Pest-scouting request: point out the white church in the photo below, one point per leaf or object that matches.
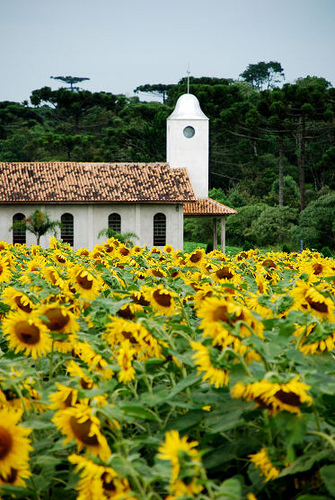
(148, 199)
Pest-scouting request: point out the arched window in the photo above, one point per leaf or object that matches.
(66, 232)
(114, 222)
(19, 235)
(159, 230)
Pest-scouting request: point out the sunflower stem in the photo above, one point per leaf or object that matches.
(329, 439)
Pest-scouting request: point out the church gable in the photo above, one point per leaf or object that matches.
(70, 182)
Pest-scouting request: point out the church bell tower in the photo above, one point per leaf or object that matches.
(188, 142)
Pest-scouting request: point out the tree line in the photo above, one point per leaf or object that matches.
(272, 144)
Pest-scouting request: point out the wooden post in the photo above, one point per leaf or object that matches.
(215, 234)
(223, 234)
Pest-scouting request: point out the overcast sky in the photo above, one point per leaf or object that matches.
(121, 44)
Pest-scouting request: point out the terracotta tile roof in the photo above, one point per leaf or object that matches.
(206, 207)
(69, 182)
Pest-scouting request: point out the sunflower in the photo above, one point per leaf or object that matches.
(76, 371)
(52, 276)
(94, 360)
(185, 464)
(16, 477)
(17, 299)
(79, 424)
(26, 333)
(219, 316)
(161, 299)
(99, 481)
(143, 342)
(14, 443)
(275, 396)
(262, 461)
(63, 398)
(316, 337)
(61, 321)
(84, 282)
(5, 272)
(312, 300)
(125, 356)
(197, 258)
(215, 375)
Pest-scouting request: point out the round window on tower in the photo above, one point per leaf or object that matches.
(188, 132)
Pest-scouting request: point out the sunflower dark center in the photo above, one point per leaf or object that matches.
(6, 442)
(157, 273)
(289, 398)
(196, 257)
(317, 306)
(81, 430)
(220, 313)
(11, 477)
(162, 299)
(57, 320)
(124, 251)
(224, 273)
(84, 282)
(317, 268)
(28, 334)
(20, 305)
(108, 482)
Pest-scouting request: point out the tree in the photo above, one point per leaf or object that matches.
(317, 223)
(157, 89)
(38, 223)
(263, 75)
(71, 80)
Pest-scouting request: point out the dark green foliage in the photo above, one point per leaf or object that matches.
(317, 223)
(326, 252)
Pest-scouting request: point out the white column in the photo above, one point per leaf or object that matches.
(215, 234)
(223, 234)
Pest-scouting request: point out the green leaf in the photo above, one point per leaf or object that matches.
(328, 475)
(137, 411)
(187, 421)
(304, 463)
(183, 384)
(230, 489)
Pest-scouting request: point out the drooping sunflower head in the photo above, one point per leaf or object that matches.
(86, 284)
(185, 463)
(274, 395)
(27, 333)
(161, 299)
(197, 258)
(207, 360)
(262, 461)
(17, 299)
(79, 424)
(99, 481)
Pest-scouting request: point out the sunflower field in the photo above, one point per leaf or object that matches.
(135, 373)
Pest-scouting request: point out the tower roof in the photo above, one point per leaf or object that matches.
(187, 108)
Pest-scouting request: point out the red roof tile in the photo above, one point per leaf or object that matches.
(69, 182)
(206, 207)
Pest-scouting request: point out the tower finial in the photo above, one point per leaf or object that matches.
(188, 79)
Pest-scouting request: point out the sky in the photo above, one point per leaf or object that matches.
(121, 44)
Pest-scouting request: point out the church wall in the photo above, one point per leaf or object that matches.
(89, 220)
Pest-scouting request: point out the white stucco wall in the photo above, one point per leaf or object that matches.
(89, 220)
